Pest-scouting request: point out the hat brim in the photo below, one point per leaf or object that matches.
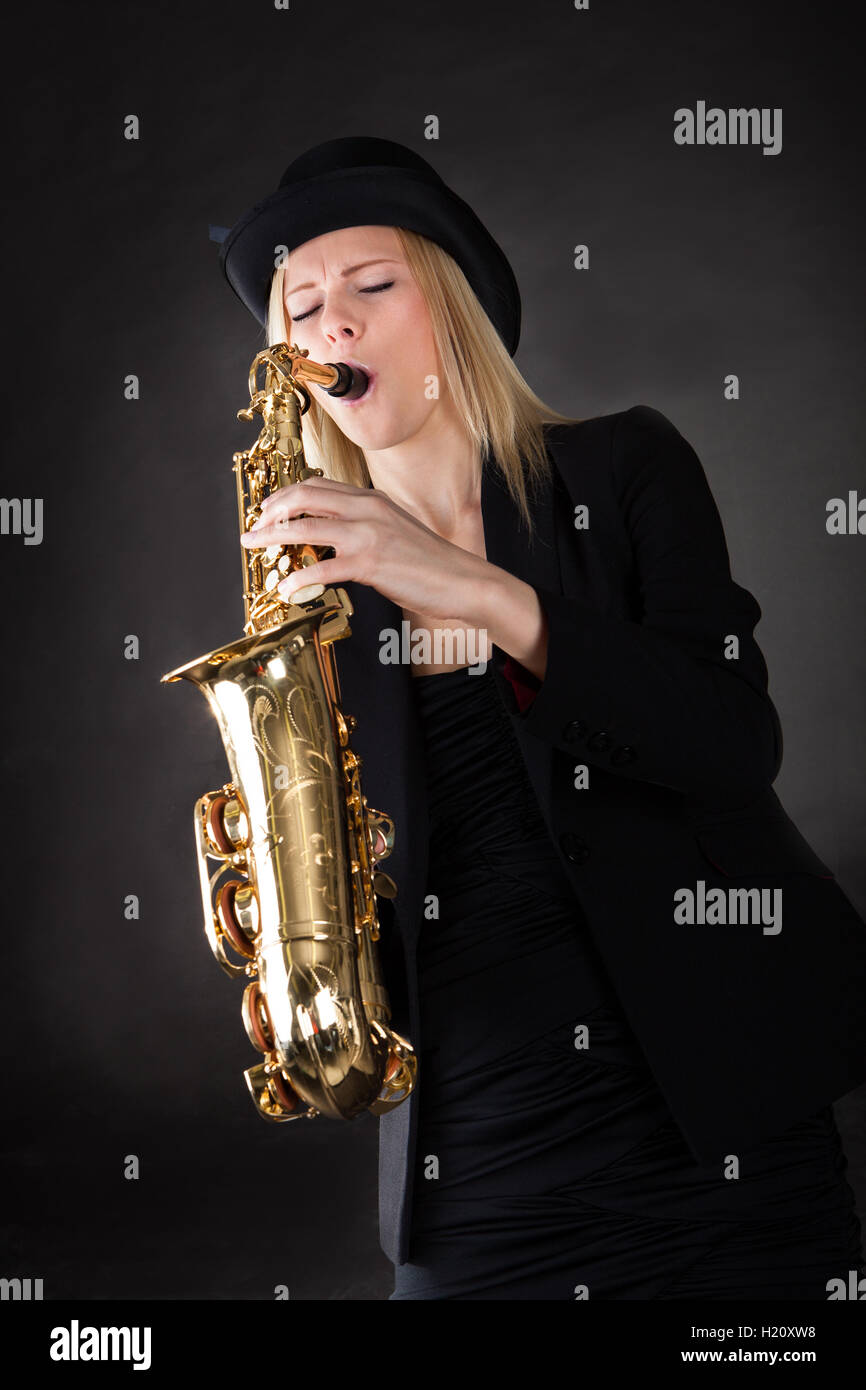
(371, 196)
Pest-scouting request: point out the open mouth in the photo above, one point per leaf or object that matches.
(371, 385)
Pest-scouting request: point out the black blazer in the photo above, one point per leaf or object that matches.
(746, 1031)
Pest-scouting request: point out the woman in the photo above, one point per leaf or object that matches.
(606, 1107)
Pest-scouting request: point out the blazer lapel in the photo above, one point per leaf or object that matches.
(536, 561)
(507, 541)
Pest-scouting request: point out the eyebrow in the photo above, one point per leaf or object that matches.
(349, 270)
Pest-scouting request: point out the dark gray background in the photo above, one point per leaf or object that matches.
(557, 127)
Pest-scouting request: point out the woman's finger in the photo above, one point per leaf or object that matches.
(324, 572)
(309, 530)
(335, 483)
(305, 496)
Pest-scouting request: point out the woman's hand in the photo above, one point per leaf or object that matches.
(376, 543)
(380, 544)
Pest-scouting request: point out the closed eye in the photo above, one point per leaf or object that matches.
(369, 289)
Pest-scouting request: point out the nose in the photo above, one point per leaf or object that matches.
(341, 335)
(338, 322)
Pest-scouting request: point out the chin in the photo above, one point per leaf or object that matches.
(378, 434)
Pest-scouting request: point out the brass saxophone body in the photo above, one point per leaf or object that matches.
(285, 848)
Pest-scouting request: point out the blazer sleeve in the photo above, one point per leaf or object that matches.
(657, 699)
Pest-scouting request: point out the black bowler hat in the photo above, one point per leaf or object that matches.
(364, 181)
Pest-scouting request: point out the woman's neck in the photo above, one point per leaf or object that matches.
(435, 475)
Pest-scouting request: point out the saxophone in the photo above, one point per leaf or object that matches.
(291, 901)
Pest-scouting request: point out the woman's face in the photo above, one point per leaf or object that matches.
(350, 297)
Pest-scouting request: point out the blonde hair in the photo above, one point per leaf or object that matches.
(503, 415)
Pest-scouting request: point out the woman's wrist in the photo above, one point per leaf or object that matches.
(513, 617)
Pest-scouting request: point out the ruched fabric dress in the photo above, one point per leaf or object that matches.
(548, 1165)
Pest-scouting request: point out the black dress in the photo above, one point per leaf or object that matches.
(548, 1165)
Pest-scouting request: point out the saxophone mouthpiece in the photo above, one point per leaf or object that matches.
(351, 382)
